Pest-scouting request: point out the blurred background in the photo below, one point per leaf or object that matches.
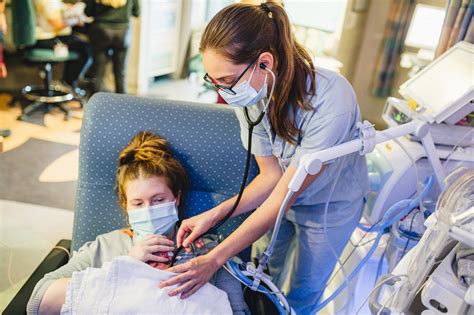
(376, 44)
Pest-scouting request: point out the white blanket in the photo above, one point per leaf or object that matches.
(128, 286)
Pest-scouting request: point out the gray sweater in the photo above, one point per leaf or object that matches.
(117, 243)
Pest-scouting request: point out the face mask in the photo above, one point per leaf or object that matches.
(245, 94)
(158, 219)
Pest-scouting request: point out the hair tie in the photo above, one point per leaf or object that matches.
(267, 10)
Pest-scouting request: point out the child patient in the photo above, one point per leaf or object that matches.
(149, 184)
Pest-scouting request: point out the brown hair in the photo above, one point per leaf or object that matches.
(241, 32)
(148, 155)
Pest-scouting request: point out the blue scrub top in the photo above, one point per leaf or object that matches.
(332, 122)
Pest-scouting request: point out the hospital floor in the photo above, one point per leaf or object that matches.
(38, 176)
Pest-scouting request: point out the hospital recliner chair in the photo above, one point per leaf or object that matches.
(204, 137)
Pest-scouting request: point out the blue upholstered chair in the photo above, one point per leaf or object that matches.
(205, 138)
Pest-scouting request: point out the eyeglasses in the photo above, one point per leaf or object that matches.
(226, 89)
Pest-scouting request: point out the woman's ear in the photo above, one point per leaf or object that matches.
(266, 61)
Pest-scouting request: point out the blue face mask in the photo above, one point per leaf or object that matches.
(158, 219)
(245, 94)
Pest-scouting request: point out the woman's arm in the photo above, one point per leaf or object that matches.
(257, 191)
(261, 220)
(195, 273)
(254, 195)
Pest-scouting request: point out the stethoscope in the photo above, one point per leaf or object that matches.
(251, 124)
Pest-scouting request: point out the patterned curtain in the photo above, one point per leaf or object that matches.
(399, 18)
(457, 25)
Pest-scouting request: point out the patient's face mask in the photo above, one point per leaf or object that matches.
(157, 219)
(245, 94)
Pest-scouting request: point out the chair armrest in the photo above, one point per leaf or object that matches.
(55, 259)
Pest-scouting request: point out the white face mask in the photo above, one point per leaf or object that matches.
(157, 219)
(245, 94)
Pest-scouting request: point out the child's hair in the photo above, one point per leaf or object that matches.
(148, 155)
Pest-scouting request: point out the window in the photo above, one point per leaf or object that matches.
(323, 15)
(425, 27)
(317, 23)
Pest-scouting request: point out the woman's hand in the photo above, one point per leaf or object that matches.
(144, 249)
(192, 275)
(194, 227)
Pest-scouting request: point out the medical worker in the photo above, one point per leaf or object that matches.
(248, 49)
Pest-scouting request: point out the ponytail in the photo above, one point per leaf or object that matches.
(241, 32)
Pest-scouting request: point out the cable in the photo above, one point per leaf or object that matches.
(389, 300)
(278, 303)
(353, 250)
(448, 157)
(417, 174)
(365, 243)
(326, 208)
(351, 276)
(380, 264)
(10, 258)
(409, 235)
(375, 288)
(64, 249)
(242, 185)
(251, 125)
(385, 280)
(389, 219)
(240, 280)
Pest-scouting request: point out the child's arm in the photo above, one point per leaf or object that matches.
(54, 297)
(92, 254)
(49, 293)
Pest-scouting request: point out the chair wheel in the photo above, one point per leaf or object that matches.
(67, 117)
(22, 117)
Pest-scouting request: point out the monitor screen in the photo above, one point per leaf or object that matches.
(445, 85)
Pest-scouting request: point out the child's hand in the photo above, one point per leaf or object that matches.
(144, 249)
(199, 243)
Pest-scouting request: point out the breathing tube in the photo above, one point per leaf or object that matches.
(395, 213)
(239, 271)
(251, 125)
